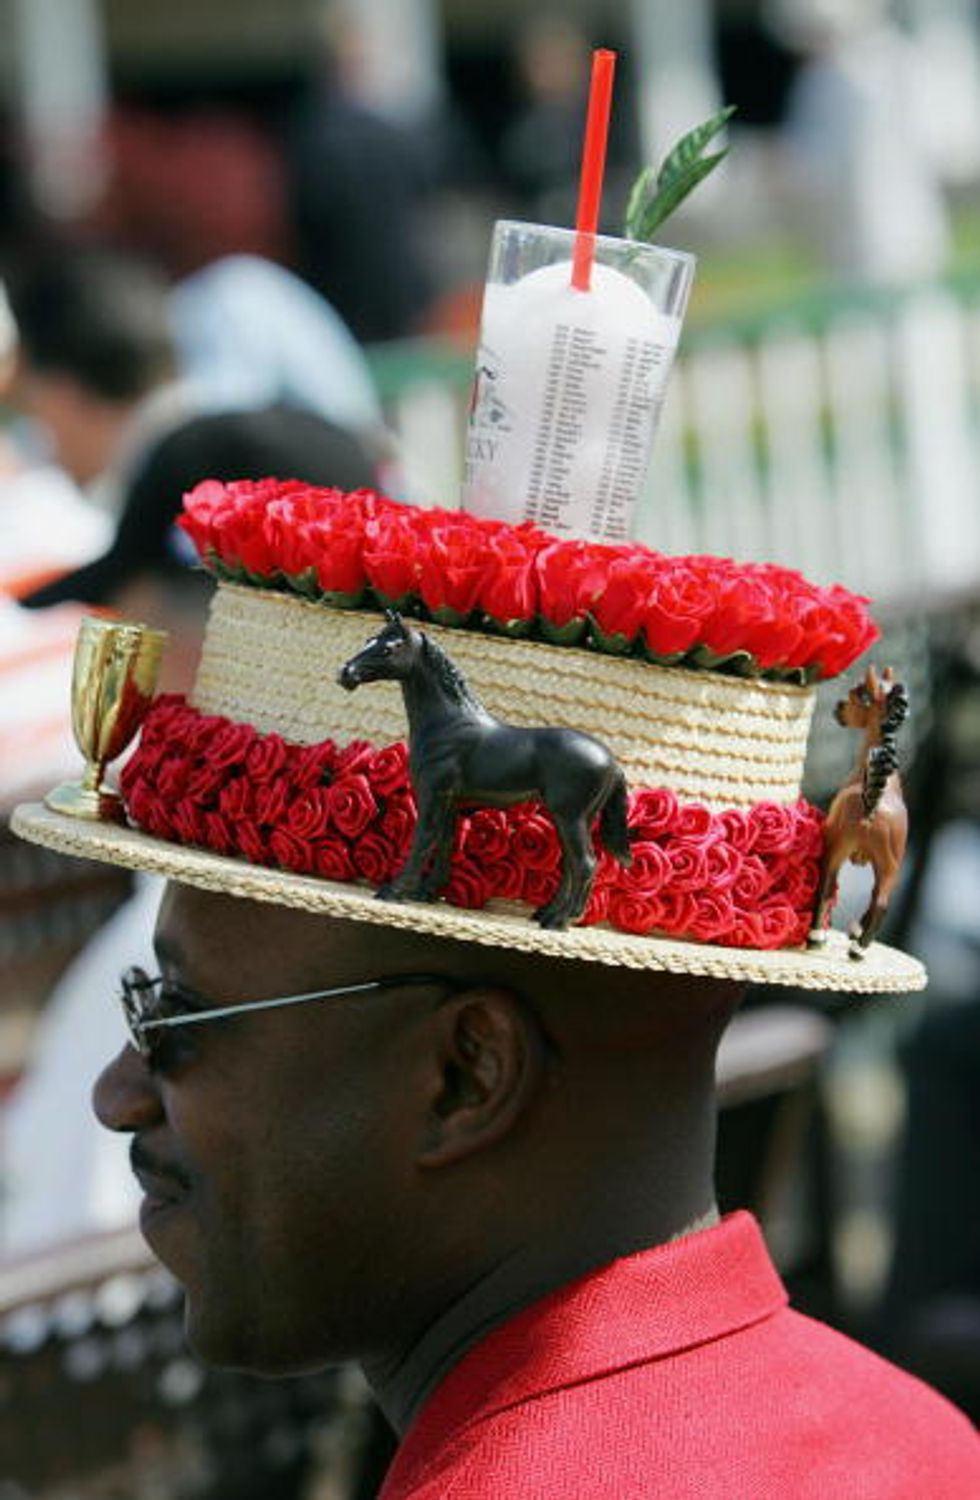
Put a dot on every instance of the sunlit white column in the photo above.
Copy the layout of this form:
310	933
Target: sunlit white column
62	95
677	83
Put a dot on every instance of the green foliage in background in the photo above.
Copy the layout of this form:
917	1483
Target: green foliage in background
656	195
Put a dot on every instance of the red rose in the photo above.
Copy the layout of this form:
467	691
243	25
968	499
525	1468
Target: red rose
229	745
251	843
688	863
467	885
714	914
693	821
272	801
653	810
188	822
340	566
570	577
309	813
145	760
509	588
843	630
391	554
504	877
173	775
650	870
487	835
387	769
800	885
723	865
352	805
217	834
809	840
778	923
266	758
676	910
775	826
237	799
206	782
620	606
751	882
597	909
238	536
538	886
453	565
632	912
535	843
313	765
398	820
292	853
148	810
744	931
675	610
333	860
357	756
375	858
738	829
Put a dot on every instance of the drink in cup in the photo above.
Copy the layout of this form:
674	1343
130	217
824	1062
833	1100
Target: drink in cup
570	379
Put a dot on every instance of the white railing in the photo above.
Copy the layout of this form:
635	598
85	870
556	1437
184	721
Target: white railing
847	446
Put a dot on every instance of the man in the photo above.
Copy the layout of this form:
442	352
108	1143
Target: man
473	1155
458	1182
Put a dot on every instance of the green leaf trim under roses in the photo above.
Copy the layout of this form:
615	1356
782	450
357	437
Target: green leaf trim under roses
654	197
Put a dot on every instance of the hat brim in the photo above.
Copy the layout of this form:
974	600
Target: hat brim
883	970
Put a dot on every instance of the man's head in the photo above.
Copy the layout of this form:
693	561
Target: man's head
325	1179
94	340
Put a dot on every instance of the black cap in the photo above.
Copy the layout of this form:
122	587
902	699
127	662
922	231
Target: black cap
281	441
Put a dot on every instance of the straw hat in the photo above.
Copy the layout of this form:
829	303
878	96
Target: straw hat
273	783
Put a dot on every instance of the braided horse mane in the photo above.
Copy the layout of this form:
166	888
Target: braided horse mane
883	758
448	674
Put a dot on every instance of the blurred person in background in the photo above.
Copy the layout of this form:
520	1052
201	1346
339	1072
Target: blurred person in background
859	143
250	334
539	150
101	373
358	184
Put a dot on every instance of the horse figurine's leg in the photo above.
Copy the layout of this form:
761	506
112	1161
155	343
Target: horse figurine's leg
829	872
577	870
441	845
863	933
431	846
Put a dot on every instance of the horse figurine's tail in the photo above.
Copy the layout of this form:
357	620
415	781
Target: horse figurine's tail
613	829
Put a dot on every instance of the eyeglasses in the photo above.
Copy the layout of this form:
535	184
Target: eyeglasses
142	998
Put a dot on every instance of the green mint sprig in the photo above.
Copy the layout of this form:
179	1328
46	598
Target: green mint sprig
655	195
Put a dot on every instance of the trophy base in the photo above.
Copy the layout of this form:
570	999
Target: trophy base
101	805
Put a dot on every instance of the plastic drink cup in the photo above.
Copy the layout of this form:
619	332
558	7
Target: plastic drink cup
569	384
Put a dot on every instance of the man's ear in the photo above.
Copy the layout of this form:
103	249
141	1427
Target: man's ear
488	1056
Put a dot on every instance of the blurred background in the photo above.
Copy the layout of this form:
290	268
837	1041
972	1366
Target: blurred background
242	238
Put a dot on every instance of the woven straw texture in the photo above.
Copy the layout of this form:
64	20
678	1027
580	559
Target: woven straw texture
271	660
883	970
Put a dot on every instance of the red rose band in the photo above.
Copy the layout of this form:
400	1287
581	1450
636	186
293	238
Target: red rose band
741	878
362	548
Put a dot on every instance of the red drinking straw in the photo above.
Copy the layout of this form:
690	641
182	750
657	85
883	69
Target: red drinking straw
593	166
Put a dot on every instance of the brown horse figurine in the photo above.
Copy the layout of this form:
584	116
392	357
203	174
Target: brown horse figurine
867	822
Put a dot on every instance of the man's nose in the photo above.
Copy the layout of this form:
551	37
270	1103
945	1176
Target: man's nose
125	1096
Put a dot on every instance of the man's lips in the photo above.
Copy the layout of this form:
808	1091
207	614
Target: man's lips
163	1184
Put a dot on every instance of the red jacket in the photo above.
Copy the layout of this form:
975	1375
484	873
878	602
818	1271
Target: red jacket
680	1373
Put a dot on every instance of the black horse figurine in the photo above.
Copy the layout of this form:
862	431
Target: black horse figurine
460	754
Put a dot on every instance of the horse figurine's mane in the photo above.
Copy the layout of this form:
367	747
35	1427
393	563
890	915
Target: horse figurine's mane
448	674
883	758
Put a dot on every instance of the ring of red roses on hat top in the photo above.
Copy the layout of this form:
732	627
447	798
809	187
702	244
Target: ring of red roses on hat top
360	549
741	878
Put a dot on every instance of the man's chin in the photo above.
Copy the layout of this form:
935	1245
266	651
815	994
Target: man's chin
229	1344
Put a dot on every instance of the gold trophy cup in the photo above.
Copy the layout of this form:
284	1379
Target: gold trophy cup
113	682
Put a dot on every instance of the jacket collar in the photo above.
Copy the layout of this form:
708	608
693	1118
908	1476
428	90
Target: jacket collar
640	1308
